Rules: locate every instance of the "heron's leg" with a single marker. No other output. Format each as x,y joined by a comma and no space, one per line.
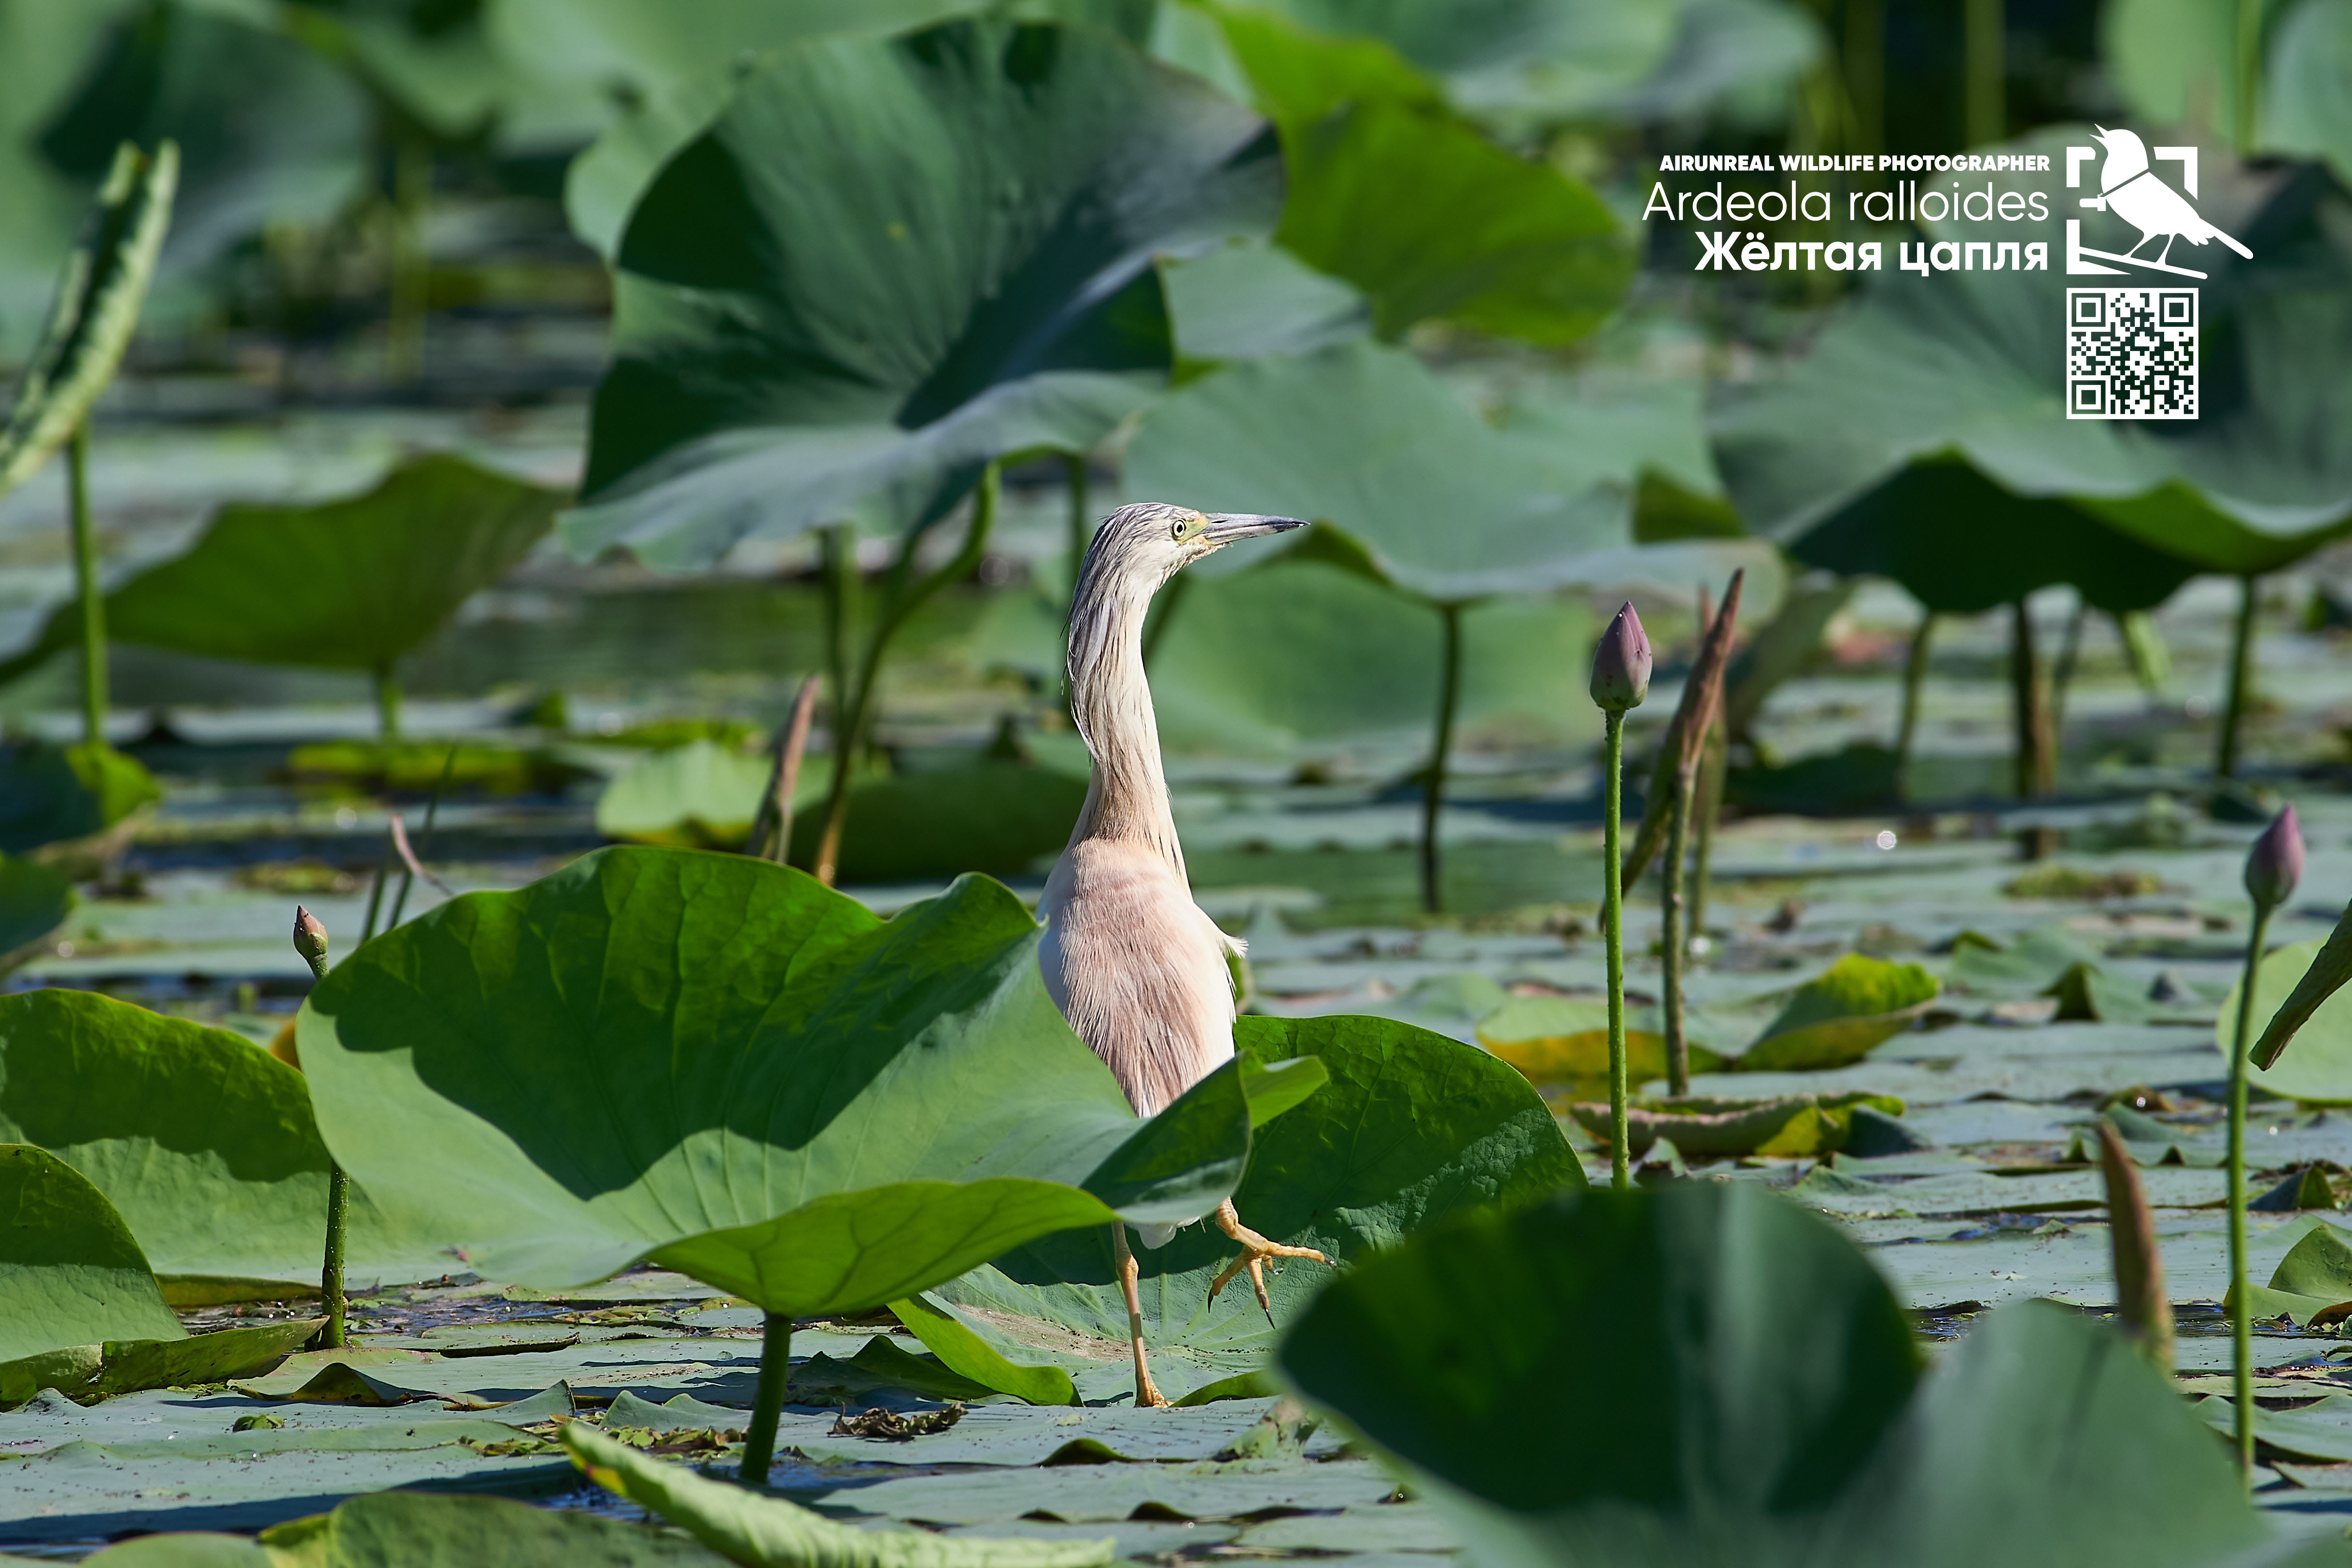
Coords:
1256,1250
1147,1393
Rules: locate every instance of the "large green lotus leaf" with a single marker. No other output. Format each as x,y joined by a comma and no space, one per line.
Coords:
1925,436
53,795
1297,655
1412,205
1411,1127
404,1529
1364,438
94,312
2317,1063
1239,302
349,584
887,262
2306,107
1734,1384
721,1063
71,1271
1839,1016
34,901
202,1143
268,131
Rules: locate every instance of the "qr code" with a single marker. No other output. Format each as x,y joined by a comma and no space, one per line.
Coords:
2131,353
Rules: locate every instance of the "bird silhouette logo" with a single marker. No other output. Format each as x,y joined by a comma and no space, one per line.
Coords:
2130,188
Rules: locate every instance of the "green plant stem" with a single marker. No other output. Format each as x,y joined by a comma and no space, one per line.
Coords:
339,1198
904,598
93,602
2250,74
412,197
387,704
1671,939
1984,50
768,1402
1914,677
1612,928
2070,653
2037,758
2241,678
425,838
1433,792
2241,1308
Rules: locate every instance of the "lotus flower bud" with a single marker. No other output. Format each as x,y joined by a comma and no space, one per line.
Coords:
2275,866
1620,665
310,937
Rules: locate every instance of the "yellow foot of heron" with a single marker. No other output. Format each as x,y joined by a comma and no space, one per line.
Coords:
1256,1250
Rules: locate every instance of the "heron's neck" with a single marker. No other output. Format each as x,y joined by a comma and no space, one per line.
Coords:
1111,701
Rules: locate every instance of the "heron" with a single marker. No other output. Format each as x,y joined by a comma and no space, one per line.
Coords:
1136,967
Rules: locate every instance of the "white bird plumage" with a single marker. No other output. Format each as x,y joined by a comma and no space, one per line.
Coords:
1136,967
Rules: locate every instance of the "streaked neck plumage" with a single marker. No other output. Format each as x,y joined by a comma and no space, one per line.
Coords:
1111,701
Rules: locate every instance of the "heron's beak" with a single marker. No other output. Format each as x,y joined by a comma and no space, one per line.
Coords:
1229,527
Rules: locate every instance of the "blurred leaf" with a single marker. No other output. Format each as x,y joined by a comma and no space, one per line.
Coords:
1840,1016
269,131
1924,437
997,817
965,271
1790,1125
1749,1392
1412,1126
202,1143
2174,62
2304,107
1783,649
717,1063
1240,301
35,901
94,311
351,584
700,795
55,794
769,1533
1392,191
2306,1036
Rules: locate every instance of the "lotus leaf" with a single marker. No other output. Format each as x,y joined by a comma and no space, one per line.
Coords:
1412,1126
34,901
1741,1387
2303,107
1842,1014
998,817
1924,438
885,263
2317,1066
701,795
1392,192
1698,1125
95,311
769,1533
203,1145
717,1063
267,131
1239,302
396,1529
349,584
63,794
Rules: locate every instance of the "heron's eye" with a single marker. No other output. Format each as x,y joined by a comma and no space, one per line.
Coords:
1176,529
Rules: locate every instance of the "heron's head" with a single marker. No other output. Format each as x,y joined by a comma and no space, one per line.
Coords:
1143,544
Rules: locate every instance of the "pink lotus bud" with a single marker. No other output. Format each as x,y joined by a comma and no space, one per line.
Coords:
2275,866
310,937
1620,665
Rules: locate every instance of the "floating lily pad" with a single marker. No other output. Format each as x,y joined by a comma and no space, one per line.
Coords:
1714,1126
1842,1016
414,1527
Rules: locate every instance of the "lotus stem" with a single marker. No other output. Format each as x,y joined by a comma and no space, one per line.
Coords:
2036,748
2241,1307
2250,74
2070,652
2241,678
768,1403
86,584
1432,792
1612,926
311,942
1984,52
772,834
1915,677
904,599
387,704
412,195
1671,936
